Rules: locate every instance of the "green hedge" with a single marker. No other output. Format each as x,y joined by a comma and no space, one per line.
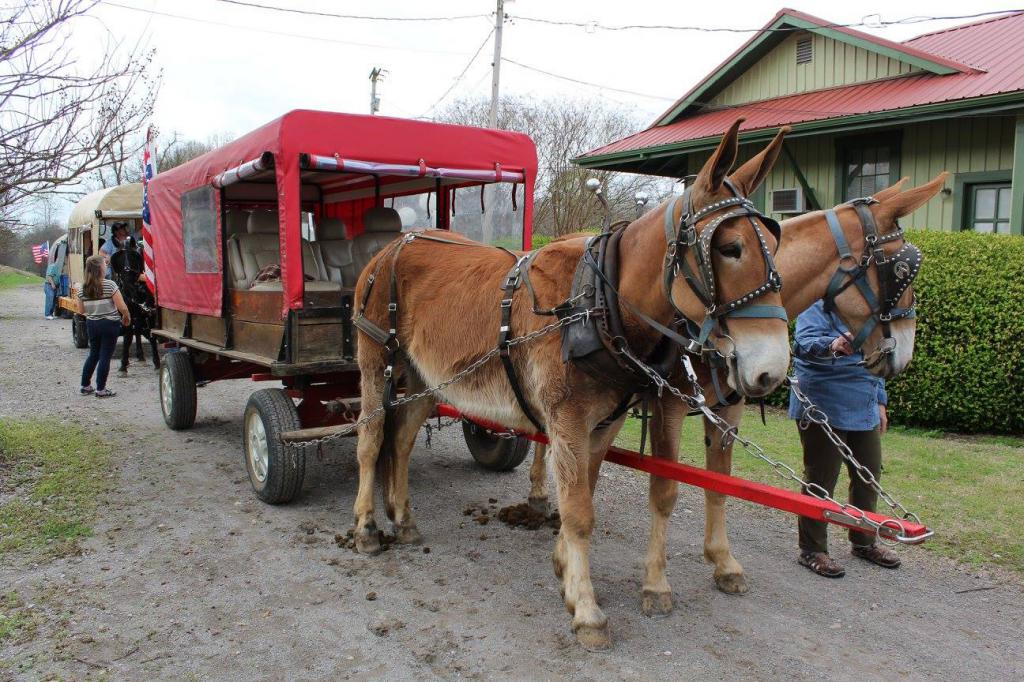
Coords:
968,369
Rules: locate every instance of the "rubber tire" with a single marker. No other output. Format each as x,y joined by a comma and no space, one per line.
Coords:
79,332
182,415
490,451
286,466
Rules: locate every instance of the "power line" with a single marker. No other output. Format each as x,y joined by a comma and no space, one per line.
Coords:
277,33
581,82
358,17
460,76
864,22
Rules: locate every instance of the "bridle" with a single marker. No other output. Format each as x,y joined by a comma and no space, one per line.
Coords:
683,237
895,274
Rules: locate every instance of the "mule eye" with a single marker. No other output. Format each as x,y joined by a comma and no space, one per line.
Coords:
731,250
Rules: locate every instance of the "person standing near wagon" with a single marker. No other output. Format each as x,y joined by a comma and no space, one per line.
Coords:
105,312
855,402
51,289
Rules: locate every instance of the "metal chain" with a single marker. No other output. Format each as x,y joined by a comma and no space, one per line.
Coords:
812,414
459,376
731,433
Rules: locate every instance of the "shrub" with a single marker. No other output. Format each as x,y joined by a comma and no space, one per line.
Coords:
968,369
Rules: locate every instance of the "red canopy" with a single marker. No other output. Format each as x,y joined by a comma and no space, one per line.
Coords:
376,139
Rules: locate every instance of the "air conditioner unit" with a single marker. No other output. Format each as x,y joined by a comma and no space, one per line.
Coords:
788,200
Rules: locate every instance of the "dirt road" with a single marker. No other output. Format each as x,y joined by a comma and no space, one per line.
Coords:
189,576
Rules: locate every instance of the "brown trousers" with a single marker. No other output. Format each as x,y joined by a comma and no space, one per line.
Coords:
822,462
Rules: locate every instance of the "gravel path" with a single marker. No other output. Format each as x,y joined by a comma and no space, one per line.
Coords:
189,576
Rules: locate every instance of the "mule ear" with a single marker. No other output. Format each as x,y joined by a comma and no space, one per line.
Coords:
718,166
891,190
905,203
751,174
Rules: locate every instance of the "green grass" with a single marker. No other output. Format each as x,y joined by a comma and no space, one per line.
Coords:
51,475
11,278
15,623
968,489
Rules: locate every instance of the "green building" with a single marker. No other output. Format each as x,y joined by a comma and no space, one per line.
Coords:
864,112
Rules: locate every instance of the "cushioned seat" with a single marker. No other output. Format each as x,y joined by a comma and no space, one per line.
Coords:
380,227
335,251
258,247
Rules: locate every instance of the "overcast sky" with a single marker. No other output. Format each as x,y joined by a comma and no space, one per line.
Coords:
229,68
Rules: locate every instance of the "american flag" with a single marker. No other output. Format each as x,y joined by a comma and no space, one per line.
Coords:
148,171
41,252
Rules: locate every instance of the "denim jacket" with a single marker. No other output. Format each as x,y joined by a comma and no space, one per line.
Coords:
843,389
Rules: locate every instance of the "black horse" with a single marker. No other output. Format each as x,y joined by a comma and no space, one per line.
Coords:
127,265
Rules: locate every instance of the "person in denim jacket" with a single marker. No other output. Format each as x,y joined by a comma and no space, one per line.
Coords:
833,377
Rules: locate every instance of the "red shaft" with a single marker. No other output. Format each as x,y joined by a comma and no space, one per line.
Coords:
759,493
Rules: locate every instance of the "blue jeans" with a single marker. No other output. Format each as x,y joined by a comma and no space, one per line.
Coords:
51,298
102,340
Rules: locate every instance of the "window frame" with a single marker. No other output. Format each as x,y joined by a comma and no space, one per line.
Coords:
844,145
215,214
963,183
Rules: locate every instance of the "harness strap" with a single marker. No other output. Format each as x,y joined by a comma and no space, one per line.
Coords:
837,234
512,280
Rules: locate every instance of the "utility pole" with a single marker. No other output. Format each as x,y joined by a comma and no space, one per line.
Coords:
492,119
376,75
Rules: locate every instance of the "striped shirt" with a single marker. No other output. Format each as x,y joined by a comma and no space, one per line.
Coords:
102,308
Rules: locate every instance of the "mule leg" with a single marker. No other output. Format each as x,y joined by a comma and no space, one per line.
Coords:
666,421
571,452
538,499
126,348
729,576
153,348
396,490
139,354
371,437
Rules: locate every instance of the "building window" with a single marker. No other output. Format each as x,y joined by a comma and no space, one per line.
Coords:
988,208
199,213
868,165
804,50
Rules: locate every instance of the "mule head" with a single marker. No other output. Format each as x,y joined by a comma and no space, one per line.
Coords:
889,346
741,250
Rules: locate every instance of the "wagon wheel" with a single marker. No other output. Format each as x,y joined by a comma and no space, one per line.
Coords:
492,451
178,391
275,470
79,332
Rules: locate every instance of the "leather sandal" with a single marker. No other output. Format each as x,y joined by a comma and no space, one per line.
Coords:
879,556
822,564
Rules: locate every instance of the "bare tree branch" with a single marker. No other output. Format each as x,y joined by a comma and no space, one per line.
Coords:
563,129
61,123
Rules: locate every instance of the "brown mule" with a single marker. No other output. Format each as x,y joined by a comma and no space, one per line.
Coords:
806,259
448,316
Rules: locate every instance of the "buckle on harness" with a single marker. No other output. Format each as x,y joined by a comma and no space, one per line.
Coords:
388,372
506,303
392,307
694,347
885,317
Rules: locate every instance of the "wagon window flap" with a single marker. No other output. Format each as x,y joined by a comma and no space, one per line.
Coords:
200,218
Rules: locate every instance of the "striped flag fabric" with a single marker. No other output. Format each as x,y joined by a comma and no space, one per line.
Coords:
148,171
41,252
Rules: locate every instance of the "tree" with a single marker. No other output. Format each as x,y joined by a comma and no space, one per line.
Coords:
563,129
59,122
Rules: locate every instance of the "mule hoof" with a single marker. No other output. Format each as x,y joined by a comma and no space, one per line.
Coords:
408,535
558,566
538,504
594,638
732,583
368,543
656,603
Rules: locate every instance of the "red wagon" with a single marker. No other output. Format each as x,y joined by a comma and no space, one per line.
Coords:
258,246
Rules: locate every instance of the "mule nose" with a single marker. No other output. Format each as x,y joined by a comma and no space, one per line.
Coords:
765,381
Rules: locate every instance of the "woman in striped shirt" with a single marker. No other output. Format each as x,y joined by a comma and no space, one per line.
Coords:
105,311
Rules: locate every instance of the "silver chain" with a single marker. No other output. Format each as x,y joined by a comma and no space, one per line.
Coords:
887,529
455,378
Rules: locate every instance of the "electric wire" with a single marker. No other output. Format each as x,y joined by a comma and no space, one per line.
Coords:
917,19
459,78
301,36
358,17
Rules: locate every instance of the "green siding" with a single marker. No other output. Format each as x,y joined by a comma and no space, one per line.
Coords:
835,63
969,145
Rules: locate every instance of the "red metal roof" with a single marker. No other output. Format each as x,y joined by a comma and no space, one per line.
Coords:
994,48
